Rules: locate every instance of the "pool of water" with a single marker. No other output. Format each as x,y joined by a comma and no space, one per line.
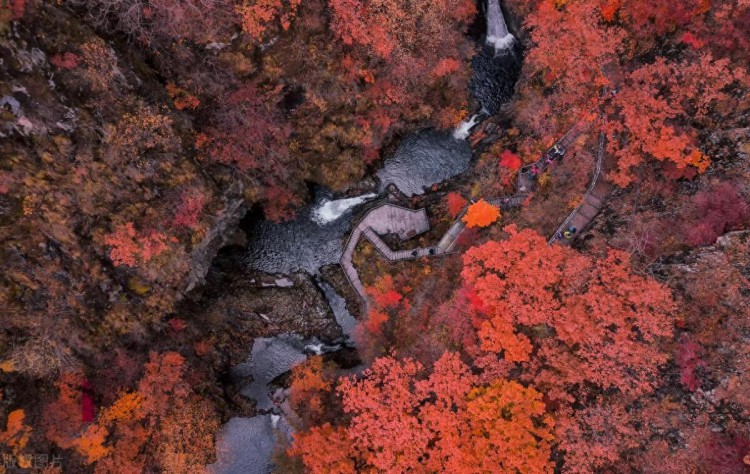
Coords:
423,159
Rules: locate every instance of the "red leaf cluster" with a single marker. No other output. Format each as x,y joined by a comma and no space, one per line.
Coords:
456,204
714,212
510,160
65,60
133,248
188,212
688,360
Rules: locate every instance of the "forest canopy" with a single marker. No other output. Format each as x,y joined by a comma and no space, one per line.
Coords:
591,314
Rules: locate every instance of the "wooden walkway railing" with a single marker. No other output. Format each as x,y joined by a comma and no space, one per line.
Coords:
406,223
385,219
392,255
584,213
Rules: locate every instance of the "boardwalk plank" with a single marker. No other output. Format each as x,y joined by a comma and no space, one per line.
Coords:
595,201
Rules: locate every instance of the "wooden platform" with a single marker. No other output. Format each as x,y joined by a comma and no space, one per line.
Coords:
392,219
382,220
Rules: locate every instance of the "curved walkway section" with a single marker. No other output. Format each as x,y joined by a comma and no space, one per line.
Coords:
385,219
407,223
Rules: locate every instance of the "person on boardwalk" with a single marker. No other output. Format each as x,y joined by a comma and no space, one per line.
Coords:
570,232
534,171
557,151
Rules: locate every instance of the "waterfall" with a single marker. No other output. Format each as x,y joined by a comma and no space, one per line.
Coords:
329,211
497,30
464,128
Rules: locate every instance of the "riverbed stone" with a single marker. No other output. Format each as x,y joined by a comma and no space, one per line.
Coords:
254,307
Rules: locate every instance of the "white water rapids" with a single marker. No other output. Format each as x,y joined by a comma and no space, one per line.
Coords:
329,211
497,31
463,130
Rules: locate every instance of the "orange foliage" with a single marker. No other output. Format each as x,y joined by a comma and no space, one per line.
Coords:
372,333
522,432
186,438
445,67
62,417
445,422
257,15
160,411
576,28
387,299
481,214
90,444
384,293
162,381
16,434
127,407
310,381
658,109
182,98
648,113
510,160
610,8
375,321
605,320
136,135
387,27
338,456
64,421
308,376
133,248
384,42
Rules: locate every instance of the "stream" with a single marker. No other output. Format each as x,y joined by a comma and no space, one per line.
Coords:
315,238
426,158
307,243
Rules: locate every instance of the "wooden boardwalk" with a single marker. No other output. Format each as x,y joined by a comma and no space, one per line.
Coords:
407,223
592,202
382,220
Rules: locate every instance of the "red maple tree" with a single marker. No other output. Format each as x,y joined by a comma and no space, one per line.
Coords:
594,308
456,204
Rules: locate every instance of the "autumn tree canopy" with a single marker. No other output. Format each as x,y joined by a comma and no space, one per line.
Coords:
655,108
481,214
567,319
136,134
161,411
446,421
656,125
